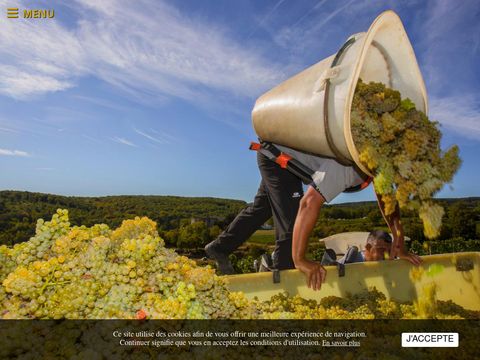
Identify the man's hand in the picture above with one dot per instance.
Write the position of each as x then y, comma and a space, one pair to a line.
405, 255
396, 227
315, 273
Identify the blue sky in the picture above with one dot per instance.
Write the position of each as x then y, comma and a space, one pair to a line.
154, 97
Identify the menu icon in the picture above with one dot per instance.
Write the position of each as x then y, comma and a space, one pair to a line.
12, 13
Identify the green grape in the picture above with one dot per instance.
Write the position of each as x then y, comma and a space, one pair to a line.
96, 273
401, 147
431, 215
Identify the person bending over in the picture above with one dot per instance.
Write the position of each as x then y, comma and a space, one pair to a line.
281, 195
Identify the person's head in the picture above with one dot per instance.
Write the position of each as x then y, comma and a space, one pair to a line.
378, 243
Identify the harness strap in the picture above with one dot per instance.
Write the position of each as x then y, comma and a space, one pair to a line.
283, 160
294, 166
359, 187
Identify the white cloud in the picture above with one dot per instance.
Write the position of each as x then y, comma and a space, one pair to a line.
23, 84
171, 54
38, 57
123, 141
101, 102
92, 138
155, 57
264, 19
6, 152
460, 113
448, 52
4, 129
150, 137
312, 28
104, 7
165, 136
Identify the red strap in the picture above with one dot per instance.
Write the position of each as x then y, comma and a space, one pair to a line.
255, 146
283, 160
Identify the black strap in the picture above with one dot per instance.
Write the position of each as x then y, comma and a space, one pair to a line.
294, 166
330, 259
341, 269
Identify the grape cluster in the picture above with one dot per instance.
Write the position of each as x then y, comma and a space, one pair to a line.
127, 273
94, 272
401, 147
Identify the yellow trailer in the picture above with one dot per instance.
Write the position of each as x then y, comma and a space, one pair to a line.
457, 277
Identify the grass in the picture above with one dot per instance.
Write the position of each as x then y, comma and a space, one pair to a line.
264, 237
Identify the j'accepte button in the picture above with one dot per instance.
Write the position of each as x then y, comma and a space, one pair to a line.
430, 339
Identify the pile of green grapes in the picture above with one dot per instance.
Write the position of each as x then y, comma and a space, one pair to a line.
79, 272
401, 147
99, 273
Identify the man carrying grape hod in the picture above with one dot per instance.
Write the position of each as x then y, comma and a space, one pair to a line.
396, 143
294, 214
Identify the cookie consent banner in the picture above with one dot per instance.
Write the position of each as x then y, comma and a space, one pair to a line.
219, 338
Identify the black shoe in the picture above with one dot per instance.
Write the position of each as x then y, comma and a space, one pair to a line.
329, 257
223, 263
265, 263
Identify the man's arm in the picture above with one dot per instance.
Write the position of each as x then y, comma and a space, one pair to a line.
396, 227
307, 216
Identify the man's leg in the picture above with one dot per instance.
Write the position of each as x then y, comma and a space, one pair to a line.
240, 229
245, 223
284, 191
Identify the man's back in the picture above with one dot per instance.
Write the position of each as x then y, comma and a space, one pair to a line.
330, 177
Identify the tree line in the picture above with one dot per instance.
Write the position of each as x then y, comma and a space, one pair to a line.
191, 222
202, 216
461, 219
